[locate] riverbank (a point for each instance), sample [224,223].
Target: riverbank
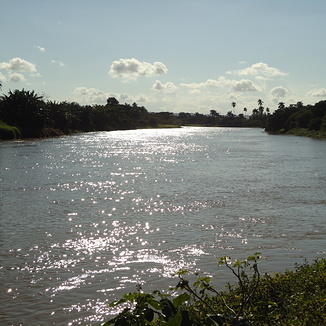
[289,298]
[305,132]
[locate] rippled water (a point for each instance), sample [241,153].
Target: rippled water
[86,217]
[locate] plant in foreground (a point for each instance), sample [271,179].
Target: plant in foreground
[195,306]
[293,298]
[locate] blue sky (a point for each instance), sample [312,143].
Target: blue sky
[177,56]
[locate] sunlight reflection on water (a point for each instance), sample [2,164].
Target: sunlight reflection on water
[95,214]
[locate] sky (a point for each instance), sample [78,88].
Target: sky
[166,55]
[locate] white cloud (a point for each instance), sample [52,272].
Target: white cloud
[259,69]
[16,78]
[279,91]
[124,98]
[243,85]
[321,92]
[60,63]
[207,83]
[40,48]
[167,87]
[95,96]
[18,64]
[133,68]
[142,98]
[91,95]
[2,78]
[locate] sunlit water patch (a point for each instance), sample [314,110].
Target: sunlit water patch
[86,218]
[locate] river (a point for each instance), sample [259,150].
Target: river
[85,218]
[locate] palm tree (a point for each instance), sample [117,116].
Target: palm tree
[260,102]
[233,105]
[281,105]
[255,111]
[213,113]
[23,108]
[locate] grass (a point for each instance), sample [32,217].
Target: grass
[168,126]
[317,134]
[8,132]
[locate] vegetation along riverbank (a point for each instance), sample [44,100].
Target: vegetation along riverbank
[290,298]
[25,114]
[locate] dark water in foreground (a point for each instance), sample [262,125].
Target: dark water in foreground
[84,218]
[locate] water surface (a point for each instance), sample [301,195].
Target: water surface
[85,218]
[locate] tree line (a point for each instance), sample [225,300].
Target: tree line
[25,114]
[297,118]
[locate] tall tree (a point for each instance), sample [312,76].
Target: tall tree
[112,101]
[233,105]
[213,113]
[281,105]
[23,109]
[260,102]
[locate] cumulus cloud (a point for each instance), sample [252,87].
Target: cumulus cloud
[244,85]
[16,77]
[133,68]
[167,87]
[142,99]
[279,91]
[207,83]
[40,48]
[259,69]
[321,92]
[95,96]
[91,94]
[124,98]
[2,78]
[18,64]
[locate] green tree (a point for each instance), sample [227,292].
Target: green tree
[260,102]
[281,105]
[111,101]
[233,105]
[213,113]
[23,109]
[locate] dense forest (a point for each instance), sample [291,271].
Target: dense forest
[25,114]
[309,120]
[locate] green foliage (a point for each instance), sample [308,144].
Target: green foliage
[8,132]
[22,109]
[299,119]
[292,298]
[35,117]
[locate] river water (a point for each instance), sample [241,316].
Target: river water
[85,218]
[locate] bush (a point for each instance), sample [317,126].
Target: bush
[8,132]
[292,298]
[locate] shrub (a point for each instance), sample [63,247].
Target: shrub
[8,132]
[292,298]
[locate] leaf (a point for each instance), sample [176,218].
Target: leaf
[149,314]
[205,279]
[155,304]
[168,308]
[217,320]
[176,320]
[181,299]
